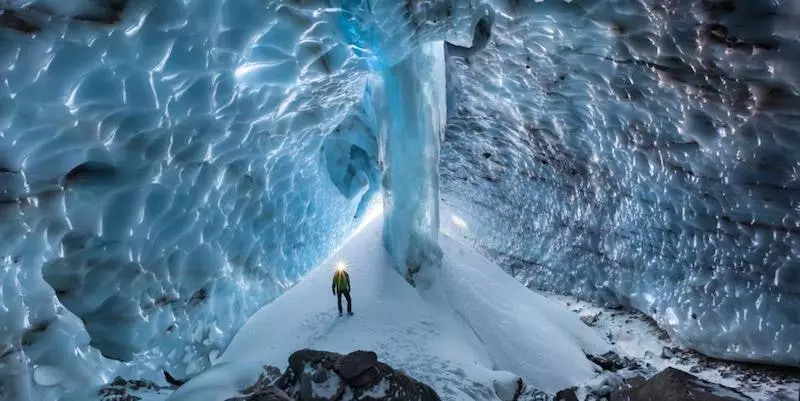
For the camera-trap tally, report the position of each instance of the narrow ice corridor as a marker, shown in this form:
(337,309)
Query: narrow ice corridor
(532,197)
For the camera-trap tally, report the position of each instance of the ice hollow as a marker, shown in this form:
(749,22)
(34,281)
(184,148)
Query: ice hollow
(169,166)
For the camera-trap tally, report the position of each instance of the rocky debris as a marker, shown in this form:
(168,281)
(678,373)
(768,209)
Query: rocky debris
(267,394)
(129,390)
(674,384)
(566,395)
(320,375)
(355,364)
(633,360)
(624,380)
(534,394)
(631,382)
(611,361)
(604,384)
(591,320)
(268,379)
(669,352)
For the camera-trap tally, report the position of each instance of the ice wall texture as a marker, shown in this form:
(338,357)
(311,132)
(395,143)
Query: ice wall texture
(641,153)
(413,118)
(162,177)
(167,167)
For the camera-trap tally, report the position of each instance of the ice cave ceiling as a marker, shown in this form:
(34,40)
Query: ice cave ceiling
(168,166)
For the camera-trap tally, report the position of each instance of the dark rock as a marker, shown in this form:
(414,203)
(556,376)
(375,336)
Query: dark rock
(674,384)
(139,384)
(172,380)
(696,369)
(355,374)
(127,390)
(667,353)
(369,377)
(272,372)
(119,381)
(356,363)
(306,389)
(299,359)
(320,376)
(590,320)
(267,379)
(285,380)
(609,361)
(632,382)
(520,389)
(566,395)
(268,394)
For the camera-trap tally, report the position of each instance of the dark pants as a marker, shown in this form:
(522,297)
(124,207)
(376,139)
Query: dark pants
(347,296)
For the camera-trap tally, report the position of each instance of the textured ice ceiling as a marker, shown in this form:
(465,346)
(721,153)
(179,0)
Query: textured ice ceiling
(168,166)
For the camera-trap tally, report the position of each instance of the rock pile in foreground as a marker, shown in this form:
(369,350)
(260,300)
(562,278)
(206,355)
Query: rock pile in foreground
(320,375)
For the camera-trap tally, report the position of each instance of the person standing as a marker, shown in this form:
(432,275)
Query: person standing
(341,286)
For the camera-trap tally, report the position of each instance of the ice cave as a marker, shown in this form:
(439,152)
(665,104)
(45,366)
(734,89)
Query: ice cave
(533,199)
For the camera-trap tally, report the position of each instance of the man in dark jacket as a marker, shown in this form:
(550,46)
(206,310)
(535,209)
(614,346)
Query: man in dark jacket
(341,286)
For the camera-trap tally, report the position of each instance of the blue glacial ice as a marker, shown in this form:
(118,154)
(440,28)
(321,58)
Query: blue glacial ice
(414,114)
(641,154)
(169,166)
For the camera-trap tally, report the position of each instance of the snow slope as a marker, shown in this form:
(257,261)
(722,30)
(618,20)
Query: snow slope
(461,335)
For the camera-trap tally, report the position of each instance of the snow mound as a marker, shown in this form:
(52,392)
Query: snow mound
(462,335)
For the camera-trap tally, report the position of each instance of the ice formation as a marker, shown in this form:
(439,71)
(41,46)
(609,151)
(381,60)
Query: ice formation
(414,112)
(169,166)
(641,153)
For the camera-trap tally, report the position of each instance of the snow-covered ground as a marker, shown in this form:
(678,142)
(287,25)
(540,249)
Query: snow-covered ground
(463,334)
(468,330)
(636,336)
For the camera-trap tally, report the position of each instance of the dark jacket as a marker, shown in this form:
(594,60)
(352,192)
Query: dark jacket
(341,282)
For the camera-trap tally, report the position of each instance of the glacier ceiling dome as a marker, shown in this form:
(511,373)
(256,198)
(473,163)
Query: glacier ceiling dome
(169,166)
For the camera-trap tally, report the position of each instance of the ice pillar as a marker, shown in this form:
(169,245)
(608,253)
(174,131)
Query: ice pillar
(414,116)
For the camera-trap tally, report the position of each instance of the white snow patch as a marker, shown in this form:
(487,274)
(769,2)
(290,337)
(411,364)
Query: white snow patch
(47,375)
(459,335)
(378,391)
(326,389)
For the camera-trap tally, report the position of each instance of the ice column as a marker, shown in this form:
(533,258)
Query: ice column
(414,116)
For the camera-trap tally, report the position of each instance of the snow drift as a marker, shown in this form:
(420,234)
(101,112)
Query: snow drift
(473,327)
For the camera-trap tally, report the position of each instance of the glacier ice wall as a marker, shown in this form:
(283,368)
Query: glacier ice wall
(168,166)
(162,177)
(641,153)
